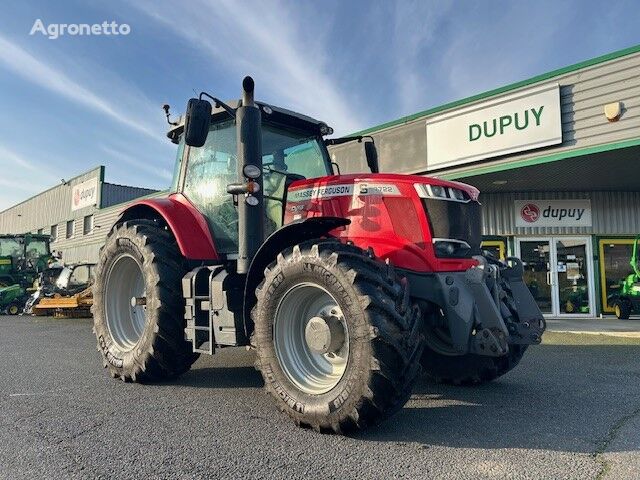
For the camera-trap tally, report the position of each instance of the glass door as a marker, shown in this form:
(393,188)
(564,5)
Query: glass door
(558,272)
(536,256)
(573,276)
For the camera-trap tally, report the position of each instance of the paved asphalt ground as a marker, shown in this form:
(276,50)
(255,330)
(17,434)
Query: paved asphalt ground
(568,411)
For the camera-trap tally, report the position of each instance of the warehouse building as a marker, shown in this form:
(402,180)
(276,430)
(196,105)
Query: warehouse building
(557,159)
(77,213)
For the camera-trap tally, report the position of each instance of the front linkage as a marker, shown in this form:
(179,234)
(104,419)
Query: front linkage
(483,309)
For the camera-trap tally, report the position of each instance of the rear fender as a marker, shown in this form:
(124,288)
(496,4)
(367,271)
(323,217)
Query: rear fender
(287,236)
(187,224)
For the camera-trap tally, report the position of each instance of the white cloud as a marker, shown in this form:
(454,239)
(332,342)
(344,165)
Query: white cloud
(37,71)
(282,46)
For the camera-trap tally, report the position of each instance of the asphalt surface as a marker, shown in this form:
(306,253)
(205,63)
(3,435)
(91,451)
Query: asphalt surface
(568,411)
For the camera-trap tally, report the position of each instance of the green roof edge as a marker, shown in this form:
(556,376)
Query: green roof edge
(540,159)
(522,83)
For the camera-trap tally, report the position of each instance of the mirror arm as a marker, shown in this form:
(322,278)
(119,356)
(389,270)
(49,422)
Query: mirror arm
(219,103)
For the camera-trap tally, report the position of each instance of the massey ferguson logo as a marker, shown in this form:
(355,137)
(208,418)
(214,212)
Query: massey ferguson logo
(530,213)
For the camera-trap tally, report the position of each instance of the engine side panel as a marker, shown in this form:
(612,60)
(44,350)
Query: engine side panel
(385,212)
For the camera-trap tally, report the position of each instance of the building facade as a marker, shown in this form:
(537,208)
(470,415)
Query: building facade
(557,159)
(77,213)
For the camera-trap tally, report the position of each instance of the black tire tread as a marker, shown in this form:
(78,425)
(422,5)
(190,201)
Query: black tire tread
(397,336)
(169,356)
(472,369)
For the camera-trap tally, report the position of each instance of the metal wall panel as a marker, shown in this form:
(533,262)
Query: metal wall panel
(113,194)
(613,213)
(50,207)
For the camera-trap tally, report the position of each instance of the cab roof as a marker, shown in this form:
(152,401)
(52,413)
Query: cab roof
(271,114)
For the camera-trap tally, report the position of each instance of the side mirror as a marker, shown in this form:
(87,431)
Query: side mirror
(196,122)
(371,154)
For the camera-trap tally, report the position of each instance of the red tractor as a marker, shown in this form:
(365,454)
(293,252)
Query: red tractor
(347,286)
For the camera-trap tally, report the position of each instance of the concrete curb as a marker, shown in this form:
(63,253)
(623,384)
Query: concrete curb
(603,333)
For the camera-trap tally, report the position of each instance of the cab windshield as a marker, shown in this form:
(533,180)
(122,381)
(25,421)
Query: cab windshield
(287,156)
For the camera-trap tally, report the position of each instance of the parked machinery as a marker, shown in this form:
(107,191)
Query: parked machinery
(627,300)
(22,257)
(344,284)
(69,295)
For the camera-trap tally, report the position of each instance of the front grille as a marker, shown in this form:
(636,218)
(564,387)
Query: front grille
(455,220)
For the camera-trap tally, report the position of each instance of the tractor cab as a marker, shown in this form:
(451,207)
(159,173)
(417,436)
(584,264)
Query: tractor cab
(292,149)
(22,257)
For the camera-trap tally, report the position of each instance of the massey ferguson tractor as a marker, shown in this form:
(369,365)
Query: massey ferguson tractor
(346,286)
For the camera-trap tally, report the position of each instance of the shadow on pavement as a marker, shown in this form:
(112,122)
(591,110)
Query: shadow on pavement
(561,397)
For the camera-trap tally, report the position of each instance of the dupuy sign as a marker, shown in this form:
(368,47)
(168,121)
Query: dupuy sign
(516,122)
(553,213)
(84,194)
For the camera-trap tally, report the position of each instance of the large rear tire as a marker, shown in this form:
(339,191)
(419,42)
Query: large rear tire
(364,369)
(138,308)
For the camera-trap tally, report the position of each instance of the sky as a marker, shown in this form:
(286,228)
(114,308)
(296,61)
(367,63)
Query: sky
(70,103)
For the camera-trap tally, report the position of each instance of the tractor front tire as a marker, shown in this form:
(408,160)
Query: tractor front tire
(622,309)
(138,308)
(471,369)
(13,308)
(363,369)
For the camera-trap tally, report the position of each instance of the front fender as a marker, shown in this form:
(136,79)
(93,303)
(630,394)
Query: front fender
(287,236)
(187,224)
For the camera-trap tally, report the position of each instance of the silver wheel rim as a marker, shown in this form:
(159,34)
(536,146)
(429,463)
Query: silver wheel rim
(125,320)
(313,373)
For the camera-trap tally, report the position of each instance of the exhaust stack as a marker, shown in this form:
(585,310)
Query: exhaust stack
(251,205)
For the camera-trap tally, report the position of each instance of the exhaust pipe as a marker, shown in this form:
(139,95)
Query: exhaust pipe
(250,206)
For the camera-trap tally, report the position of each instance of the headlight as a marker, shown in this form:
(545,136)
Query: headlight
(439,192)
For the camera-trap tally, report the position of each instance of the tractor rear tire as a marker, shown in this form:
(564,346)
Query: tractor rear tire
(144,341)
(378,360)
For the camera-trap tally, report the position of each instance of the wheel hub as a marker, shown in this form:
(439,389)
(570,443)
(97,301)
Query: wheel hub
(324,335)
(311,338)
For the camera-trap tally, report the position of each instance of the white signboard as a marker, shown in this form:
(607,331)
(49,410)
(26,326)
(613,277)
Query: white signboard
(84,194)
(553,213)
(521,121)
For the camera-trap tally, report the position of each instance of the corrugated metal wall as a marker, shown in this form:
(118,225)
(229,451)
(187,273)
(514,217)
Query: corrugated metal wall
(113,194)
(48,208)
(613,213)
(53,207)
(583,94)
(85,248)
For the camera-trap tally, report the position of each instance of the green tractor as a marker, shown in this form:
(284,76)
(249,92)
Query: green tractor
(627,300)
(12,299)
(22,257)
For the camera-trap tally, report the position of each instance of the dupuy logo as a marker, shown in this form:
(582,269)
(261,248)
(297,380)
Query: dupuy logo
(530,213)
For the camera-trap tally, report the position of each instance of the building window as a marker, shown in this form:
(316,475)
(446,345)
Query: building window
(70,229)
(39,231)
(54,233)
(615,256)
(87,225)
